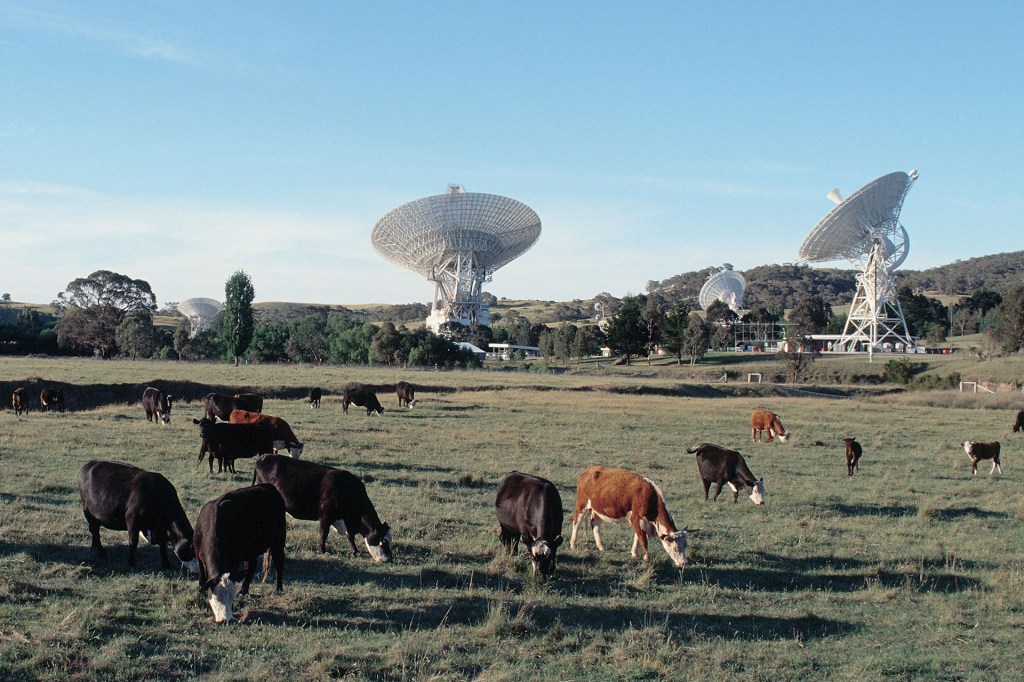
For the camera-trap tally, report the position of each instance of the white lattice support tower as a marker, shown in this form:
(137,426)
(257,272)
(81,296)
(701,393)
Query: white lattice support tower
(876,316)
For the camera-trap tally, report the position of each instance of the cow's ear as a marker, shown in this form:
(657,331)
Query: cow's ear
(556,543)
(761,480)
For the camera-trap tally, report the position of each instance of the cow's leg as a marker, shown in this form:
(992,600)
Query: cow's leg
(576,518)
(277,553)
(595,524)
(351,535)
(707,487)
(974,466)
(508,540)
(133,538)
(718,490)
(734,488)
(995,465)
(325,530)
(639,535)
(250,569)
(94,529)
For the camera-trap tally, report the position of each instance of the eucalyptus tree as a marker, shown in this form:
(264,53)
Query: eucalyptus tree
(239,321)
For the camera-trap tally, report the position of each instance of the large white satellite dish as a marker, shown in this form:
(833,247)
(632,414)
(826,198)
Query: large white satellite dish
(200,312)
(865,230)
(726,285)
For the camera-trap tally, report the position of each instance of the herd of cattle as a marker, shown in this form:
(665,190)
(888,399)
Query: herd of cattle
(233,530)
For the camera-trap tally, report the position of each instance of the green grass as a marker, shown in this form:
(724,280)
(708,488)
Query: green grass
(912,569)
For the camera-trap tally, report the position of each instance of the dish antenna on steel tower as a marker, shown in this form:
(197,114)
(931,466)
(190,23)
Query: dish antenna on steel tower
(457,240)
(726,285)
(200,312)
(865,229)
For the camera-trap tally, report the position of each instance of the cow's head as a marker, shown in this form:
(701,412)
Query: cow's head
(542,554)
(220,594)
(783,437)
(968,446)
(186,554)
(675,546)
(204,425)
(378,543)
(756,491)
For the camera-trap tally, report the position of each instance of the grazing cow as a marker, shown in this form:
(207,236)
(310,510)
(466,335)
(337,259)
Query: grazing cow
(764,421)
(284,437)
(1018,424)
(313,397)
(853,453)
(978,450)
(361,397)
(51,399)
(231,532)
(726,467)
(19,400)
(609,494)
(157,405)
(313,492)
(530,508)
(124,497)
(228,442)
(406,394)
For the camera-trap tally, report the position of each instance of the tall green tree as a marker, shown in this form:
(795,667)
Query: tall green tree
(811,315)
(386,347)
(627,332)
(135,337)
(1008,330)
(92,307)
(673,332)
(239,321)
(696,338)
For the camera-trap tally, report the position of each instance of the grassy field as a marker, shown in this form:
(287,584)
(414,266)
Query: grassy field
(912,569)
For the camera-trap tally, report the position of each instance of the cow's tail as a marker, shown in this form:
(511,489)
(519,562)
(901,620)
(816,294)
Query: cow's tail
(268,562)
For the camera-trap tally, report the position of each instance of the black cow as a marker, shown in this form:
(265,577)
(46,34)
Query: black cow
(19,400)
(726,467)
(220,406)
(1018,423)
(406,394)
(529,508)
(51,399)
(313,397)
(361,397)
(124,497)
(157,405)
(231,532)
(228,442)
(334,497)
(853,453)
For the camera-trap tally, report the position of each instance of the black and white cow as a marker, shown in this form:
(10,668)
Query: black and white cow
(157,405)
(227,442)
(726,467)
(406,394)
(231,532)
(314,396)
(124,497)
(978,450)
(51,399)
(334,497)
(361,397)
(529,508)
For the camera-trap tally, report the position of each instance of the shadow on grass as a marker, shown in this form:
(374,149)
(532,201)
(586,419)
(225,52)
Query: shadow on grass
(893,510)
(965,512)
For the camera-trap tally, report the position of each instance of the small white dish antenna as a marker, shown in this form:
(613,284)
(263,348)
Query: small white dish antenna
(726,285)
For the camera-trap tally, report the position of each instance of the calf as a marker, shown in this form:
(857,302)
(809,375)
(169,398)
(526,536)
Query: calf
(764,421)
(726,467)
(124,497)
(406,394)
(231,532)
(530,508)
(284,437)
(228,442)
(1018,423)
(978,450)
(853,453)
(19,400)
(313,492)
(608,494)
(361,397)
(313,397)
(51,399)
(157,405)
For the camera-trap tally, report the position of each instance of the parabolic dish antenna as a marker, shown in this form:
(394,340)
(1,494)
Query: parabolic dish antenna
(865,230)
(727,286)
(456,240)
(200,312)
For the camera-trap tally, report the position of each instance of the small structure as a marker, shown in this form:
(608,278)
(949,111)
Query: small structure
(504,350)
(478,352)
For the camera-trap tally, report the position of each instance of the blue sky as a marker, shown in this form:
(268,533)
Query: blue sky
(178,142)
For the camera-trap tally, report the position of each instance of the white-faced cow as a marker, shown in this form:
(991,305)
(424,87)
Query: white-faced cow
(124,497)
(1018,423)
(220,406)
(406,394)
(51,399)
(766,422)
(726,467)
(978,450)
(231,532)
(361,396)
(333,497)
(608,494)
(529,508)
(853,453)
(284,437)
(157,405)
(313,397)
(19,400)
(228,442)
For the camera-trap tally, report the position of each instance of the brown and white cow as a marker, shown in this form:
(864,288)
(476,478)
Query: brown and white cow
(1018,423)
(766,422)
(406,394)
(609,494)
(721,466)
(284,437)
(157,405)
(853,453)
(313,397)
(51,399)
(19,400)
(529,508)
(978,450)
(361,397)
(231,532)
(124,497)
